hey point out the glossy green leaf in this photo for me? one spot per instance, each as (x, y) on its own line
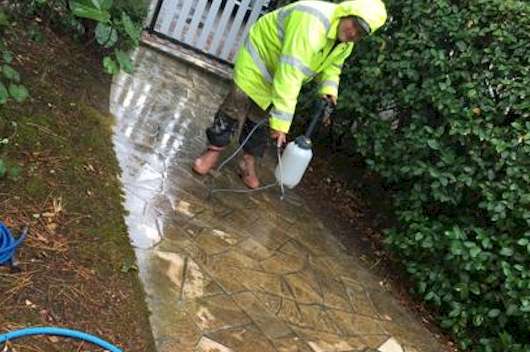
(506, 252)
(18, 92)
(96, 10)
(10, 73)
(7, 56)
(493, 313)
(130, 28)
(124, 61)
(106, 35)
(111, 67)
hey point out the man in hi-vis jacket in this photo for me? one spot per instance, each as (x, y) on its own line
(284, 49)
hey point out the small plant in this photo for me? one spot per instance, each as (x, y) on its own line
(115, 25)
(114, 29)
(10, 87)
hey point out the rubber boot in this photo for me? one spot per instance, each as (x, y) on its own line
(208, 160)
(247, 167)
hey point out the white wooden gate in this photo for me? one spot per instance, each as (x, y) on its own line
(214, 27)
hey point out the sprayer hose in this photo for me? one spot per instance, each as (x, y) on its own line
(232, 156)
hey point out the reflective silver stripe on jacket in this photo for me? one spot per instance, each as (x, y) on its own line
(281, 115)
(283, 14)
(257, 60)
(338, 66)
(328, 83)
(293, 61)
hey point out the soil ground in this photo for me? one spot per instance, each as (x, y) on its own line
(76, 268)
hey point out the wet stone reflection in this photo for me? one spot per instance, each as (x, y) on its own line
(234, 272)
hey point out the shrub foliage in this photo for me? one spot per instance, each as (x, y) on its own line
(440, 101)
(441, 98)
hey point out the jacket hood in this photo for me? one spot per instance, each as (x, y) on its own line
(373, 12)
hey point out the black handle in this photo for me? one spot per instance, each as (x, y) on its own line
(323, 107)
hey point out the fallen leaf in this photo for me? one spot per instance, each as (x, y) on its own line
(58, 205)
(40, 237)
(52, 227)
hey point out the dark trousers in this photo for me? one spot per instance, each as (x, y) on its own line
(239, 113)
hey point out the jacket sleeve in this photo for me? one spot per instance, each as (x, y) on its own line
(303, 36)
(329, 78)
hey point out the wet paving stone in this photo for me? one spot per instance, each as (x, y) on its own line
(268, 323)
(243, 339)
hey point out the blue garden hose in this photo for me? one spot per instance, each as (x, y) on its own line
(78, 335)
(8, 244)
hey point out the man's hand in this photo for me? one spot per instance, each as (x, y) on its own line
(331, 98)
(280, 137)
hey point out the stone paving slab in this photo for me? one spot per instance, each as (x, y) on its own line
(235, 272)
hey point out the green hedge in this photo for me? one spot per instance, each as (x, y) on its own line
(441, 98)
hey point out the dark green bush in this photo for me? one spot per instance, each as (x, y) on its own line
(442, 100)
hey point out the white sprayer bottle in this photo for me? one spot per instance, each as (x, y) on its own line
(294, 162)
(298, 154)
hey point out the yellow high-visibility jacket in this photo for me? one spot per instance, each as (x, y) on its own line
(294, 44)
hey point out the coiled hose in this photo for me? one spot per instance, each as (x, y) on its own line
(74, 334)
(8, 244)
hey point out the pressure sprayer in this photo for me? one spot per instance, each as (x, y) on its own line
(298, 153)
(294, 160)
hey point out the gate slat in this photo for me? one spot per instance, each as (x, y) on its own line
(227, 12)
(221, 33)
(183, 15)
(256, 11)
(166, 15)
(230, 40)
(210, 20)
(197, 16)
